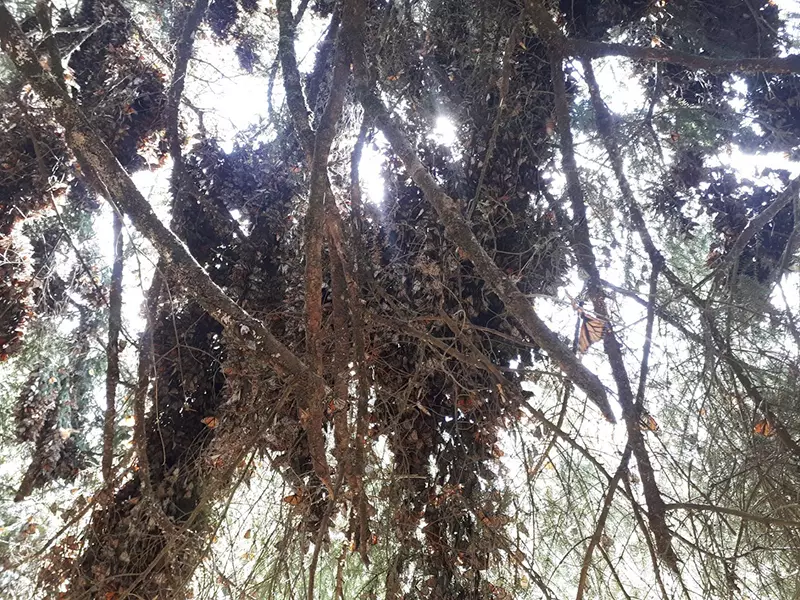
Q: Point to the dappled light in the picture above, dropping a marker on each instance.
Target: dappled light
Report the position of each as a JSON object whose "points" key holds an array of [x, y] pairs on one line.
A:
{"points": [[429, 299]]}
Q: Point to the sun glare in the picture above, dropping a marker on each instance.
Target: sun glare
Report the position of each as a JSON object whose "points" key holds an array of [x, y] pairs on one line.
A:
{"points": [[444, 132]]}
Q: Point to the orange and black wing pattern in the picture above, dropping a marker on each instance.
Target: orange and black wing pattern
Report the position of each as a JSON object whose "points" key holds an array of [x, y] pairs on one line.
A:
{"points": [[592, 330]]}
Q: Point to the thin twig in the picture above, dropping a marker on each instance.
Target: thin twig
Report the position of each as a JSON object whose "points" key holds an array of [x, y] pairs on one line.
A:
{"points": [[601, 521]]}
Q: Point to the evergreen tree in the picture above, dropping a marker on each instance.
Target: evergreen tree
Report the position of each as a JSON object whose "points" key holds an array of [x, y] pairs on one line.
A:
{"points": [[558, 358]]}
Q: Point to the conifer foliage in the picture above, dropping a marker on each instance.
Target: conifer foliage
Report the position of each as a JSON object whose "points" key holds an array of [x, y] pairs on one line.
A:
{"points": [[558, 356]]}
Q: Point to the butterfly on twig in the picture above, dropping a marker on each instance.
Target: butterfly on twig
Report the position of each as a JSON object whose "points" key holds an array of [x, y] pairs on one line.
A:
{"points": [[592, 328]]}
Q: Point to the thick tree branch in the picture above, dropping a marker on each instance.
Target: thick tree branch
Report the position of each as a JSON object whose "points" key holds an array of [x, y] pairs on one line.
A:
{"points": [[341, 358], [112, 350], [183, 53], [115, 184], [317, 146], [291, 77]]}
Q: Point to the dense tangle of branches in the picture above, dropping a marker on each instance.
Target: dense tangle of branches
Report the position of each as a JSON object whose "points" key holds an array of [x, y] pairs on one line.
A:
{"points": [[383, 360]]}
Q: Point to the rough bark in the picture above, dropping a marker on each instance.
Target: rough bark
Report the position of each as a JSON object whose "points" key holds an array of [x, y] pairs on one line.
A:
{"points": [[317, 146], [183, 53], [291, 76], [341, 358]]}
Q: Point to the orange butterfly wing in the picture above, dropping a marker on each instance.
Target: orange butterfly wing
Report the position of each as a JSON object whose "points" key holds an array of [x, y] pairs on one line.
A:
{"points": [[763, 428], [592, 330], [648, 423], [293, 499]]}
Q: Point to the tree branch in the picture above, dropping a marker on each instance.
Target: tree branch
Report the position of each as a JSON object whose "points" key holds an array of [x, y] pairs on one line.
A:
{"points": [[291, 77], [183, 54], [757, 223], [721, 349], [582, 245], [601, 521], [746, 516], [459, 233], [112, 350], [317, 147], [648, 334], [558, 42], [588, 50], [503, 83], [115, 184]]}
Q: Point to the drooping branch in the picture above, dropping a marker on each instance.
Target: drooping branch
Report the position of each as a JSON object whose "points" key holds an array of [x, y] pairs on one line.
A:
{"points": [[112, 350], [317, 146], [314, 239], [459, 233], [358, 468], [586, 49], [584, 254], [144, 371], [115, 184]]}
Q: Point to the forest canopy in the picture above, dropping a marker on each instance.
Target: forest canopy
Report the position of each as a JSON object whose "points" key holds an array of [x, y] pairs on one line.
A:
{"points": [[402, 299]]}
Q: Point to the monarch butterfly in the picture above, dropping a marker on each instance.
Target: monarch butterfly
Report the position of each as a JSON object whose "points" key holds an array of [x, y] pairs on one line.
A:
{"points": [[763, 428], [294, 499], [336, 404], [648, 423], [592, 330], [210, 422]]}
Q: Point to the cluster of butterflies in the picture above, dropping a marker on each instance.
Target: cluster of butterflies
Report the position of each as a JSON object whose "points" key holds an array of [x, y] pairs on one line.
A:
{"points": [[764, 428]]}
